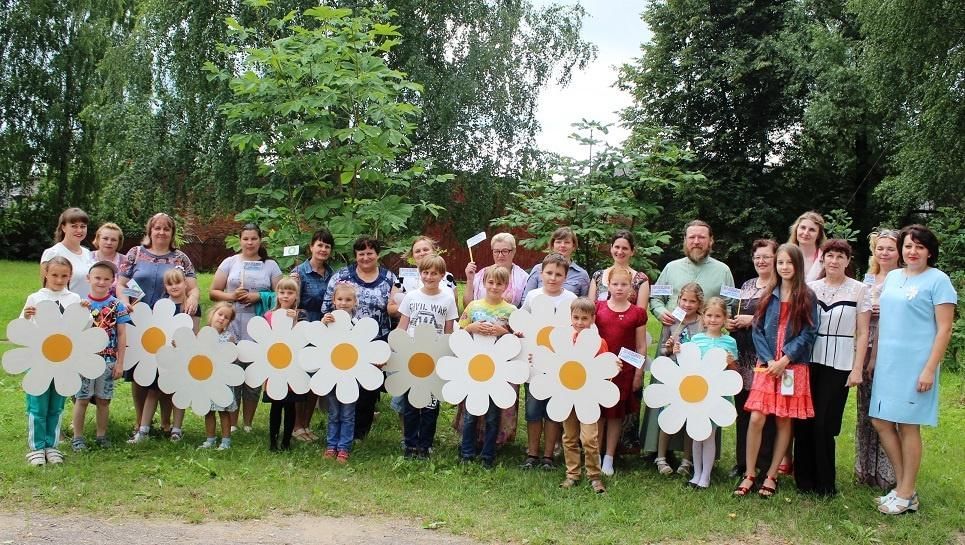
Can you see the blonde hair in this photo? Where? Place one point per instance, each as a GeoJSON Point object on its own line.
{"type": "Point", "coordinates": [423, 238]}
{"type": "Point", "coordinates": [506, 238]}
{"type": "Point", "coordinates": [697, 291]}
{"type": "Point", "coordinates": [286, 283]}
{"type": "Point", "coordinates": [222, 305]}
{"type": "Point", "coordinates": [174, 276]}
{"type": "Point", "coordinates": [433, 262]}
{"type": "Point", "coordinates": [812, 216]}
{"type": "Point", "coordinates": [109, 227]}
{"type": "Point", "coordinates": [146, 241]}
{"type": "Point", "coordinates": [618, 272]}
{"type": "Point", "coordinates": [496, 273]}
{"type": "Point", "coordinates": [873, 266]}
{"type": "Point", "coordinates": [583, 304]}
{"type": "Point", "coordinates": [345, 286]}
{"type": "Point", "coordinates": [56, 260]}
{"type": "Point", "coordinates": [719, 303]}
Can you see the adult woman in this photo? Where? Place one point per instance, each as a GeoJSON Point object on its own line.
{"type": "Point", "coordinates": [107, 241]}
{"type": "Point", "coordinates": [313, 276]}
{"type": "Point", "coordinates": [71, 231]}
{"type": "Point", "coordinates": [563, 241]}
{"type": "Point", "coordinates": [146, 265]}
{"type": "Point", "coordinates": [422, 247]}
{"type": "Point", "coordinates": [622, 247]}
{"type": "Point", "coordinates": [785, 326]}
{"type": "Point", "coordinates": [807, 233]}
{"type": "Point", "coordinates": [375, 290]}
{"type": "Point", "coordinates": [871, 465]}
{"type": "Point", "coordinates": [917, 310]}
{"type": "Point", "coordinates": [240, 280]}
{"type": "Point", "coordinates": [837, 360]}
{"type": "Point", "coordinates": [763, 252]}
{"type": "Point", "coordinates": [504, 250]}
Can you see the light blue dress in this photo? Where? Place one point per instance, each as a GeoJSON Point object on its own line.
{"type": "Point", "coordinates": [906, 333]}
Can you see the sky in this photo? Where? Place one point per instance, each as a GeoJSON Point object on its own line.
{"type": "Point", "coordinates": [617, 30]}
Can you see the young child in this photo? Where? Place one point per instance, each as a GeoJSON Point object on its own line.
{"type": "Point", "coordinates": [691, 300]}
{"type": "Point", "coordinates": [220, 317]}
{"type": "Point", "coordinates": [286, 297]}
{"type": "Point", "coordinates": [341, 416]}
{"type": "Point", "coordinates": [714, 317]}
{"type": "Point", "coordinates": [583, 312]}
{"type": "Point", "coordinates": [176, 286]}
{"type": "Point", "coordinates": [622, 325]}
{"type": "Point", "coordinates": [111, 315]}
{"type": "Point", "coordinates": [553, 274]}
{"type": "Point", "coordinates": [435, 307]}
{"type": "Point", "coordinates": [488, 316]}
{"type": "Point", "coordinates": [44, 411]}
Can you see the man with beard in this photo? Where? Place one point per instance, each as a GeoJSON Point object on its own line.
{"type": "Point", "coordinates": [697, 267]}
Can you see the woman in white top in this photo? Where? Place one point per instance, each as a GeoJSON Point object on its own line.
{"type": "Point", "coordinates": [71, 232]}
{"type": "Point", "coordinates": [807, 233]}
{"type": "Point", "coordinates": [837, 360]}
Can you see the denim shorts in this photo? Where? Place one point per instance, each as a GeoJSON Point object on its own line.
{"type": "Point", "coordinates": [101, 387]}
{"type": "Point", "coordinates": [535, 408]}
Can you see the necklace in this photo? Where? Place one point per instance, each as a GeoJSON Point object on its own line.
{"type": "Point", "coordinates": [833, 290]}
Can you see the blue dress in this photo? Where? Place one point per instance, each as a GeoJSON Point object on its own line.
{"type": "Point", "coordinates": [906, 334]}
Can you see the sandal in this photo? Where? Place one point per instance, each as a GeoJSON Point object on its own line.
{"type": "Point", "coordinates": [176, 435]}
{"type": "Point", "coordinates": [532, 462]}
{"type": "Point", "coordinates": [766, 491]}
{"type": "Point", "coordinates": [342, 457]}
{"type": "Point", "coordinates": [330, 453]}
{"type": "Point", "coordinates": [54, 456]}
{"type": "Point", "coordinates": [743, 490]}
{"type": "Point", "coordinates": [547, 464]}
{"type": "Point", "coordinates": [663, 467]}
{"type": "Point", "coordinates": [301, 434]}
{"type": "Point", "coordinates": [785, 469]}
{"type": "Point", "coordinates": [36, 457]}
{"type": "Point", "coordinates": [686, 469]}
{"type": "Point", "coordinates": [597, 486]}
{"type": "Point", "coordinates": [900, 506]}
{"type": "Point", "coordinates": [568, 483]}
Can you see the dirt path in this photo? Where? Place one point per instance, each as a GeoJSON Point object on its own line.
{"type": "Point", "coordinates": [43, 528]}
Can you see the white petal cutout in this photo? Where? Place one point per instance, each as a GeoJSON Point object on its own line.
{"type": "Point", "coordinates": [37, 381]}
{"type": "Point", "coordinates": [722, 412]}
{"type": "Point", "coordinates": [672, 418]}
{"type": "Point", "coordinates": [698, 427]}
{"type": "Point", "coordinates": [347, 391]}
{"type": "Point", "coordinates": [20, 331]}
{"type": "Point", "coordinates": [454, 392]}
{"type": "Point", "coordinates": [665, 370]}
{"type": "Point", "coordinates": [477, 403]}
{"type": "Point", "coordinates": [18, 360]}
{"type": "Point", "coordinates": [658, 395]}
{"type": "Point", "coordinates": [587, 411]}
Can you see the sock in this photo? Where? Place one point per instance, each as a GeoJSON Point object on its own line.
{"type": "Point", "coordinates": [698, 450]}
{"type": "Point", "coordinates": [607, 464]}
{"type": "Point", "coordinates": [225, 442]}
{"type": "Point", "coordinates": [710, 451]}
{"type": "Point", "coordinates": [175, 430]}
{"type": "Point", "coordinates": [144, 430]}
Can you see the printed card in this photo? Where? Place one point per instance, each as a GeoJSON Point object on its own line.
{"type": "Point", "coordinates": [409, 272]}
{"type": "Point", "coordinates": [476, 239]}
{"type": "Point", "coordinates": [679, 314]}
{"type": "Point", "coordinates": [290, 251]}
{"type": "Point", "coordinates": [730, 291]}
{"type": "Point", "coordinates": [661, 290]}
{"type": "Point", "coordinates": [787, 383]}
{"type": "Point", "coordinates": [631, 357]}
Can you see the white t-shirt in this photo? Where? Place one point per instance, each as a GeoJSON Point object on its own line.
{"type": "Point", "coordinates": [63, 298]}
{"type": "Point", "coordinates": [80, 263]}
{"type": "Point", "coordinates": [434, 310]}
{"type": "Point", "coordinates": [565, 295]}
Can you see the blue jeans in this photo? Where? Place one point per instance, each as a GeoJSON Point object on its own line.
{"type": "Point", "coordinates": [341, 423]}
{"type": "Point", "coordinates": [419, 425]}
{"type": "Point", "coordinates": [468, 448]}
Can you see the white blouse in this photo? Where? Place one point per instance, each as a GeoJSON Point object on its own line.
{"type": "Point", "coordinates": [839, 307]}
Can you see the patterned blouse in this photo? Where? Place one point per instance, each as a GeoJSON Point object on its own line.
{"type": "Point", "coordinates": [602, 292]}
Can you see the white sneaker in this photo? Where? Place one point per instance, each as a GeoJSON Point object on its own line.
{"type": "Point", "coordinates": [208, 443]}
{"type": "Point", "coordinates": [138, 438]}
{"type": "Point", "coordinates": [54, 456]}
{"type": "Point", "coordinates": [36, 457]}
{"type": "Point", "coordinates": [247, 429]}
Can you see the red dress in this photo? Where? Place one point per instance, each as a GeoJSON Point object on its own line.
{"type": "Point", "coordinates": [765, 395]}
{"type": "Point", "coordinates": [619, 330]}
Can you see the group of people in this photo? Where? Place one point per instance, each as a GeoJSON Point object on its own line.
{"type": "Point", "coordinates": [800, 333]}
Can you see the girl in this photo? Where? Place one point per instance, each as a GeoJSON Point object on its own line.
{"type": "Point", "coordinates": [220, 317]}
{"type": "Point", "coordinates": [341, 416]}
{"type": "Point", "coordinates": [286, 296]}
{"type": "Point", "coordinates": [691, 300]}
{"type": "Point", "coordinates": [176, 288]}
{"type": "Point", "coordinates": [622, 325]}
{"type": "Point", "coordinates": [44, 411]}
{"type": "Point", "coordinates": [714, 317]}
{"type": "Point", "coordinates": [785, 327]}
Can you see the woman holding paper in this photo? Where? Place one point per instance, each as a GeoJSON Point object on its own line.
{"type": "Point", "coordinates": [144, 266]}
{"type": "Point", "coordinates": [763, 252]}
{"type": "Point", "coordinates": [504, 250]}
{"type": "Point", "coordinates": [241, 280]}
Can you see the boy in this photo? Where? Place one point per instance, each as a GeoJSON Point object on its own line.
{"type": "Point", "coordinates": [488, 316]}
{"type": "Point", "coordinates": [111, 315]}
{"type": "Point", "coordinates": [575, 433]}
{"type": "Point", "coordinates": [427, 305]}
{"type": "Point", "coordinates": [553, 274]}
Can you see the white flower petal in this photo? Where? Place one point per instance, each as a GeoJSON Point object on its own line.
{"type": "Point", "coordinates": [347, 390]}
{"type": "Point", "coordinates": [559, 408]}
{"type": "Point", "coordinates": [477, 403]}
{"type": "Point", "coordinates": [322, 383]}
{"type": "Point", "coordinates": [369, 376]}
{"type": "Point", "coordinates": [589, 413]}
{"type": "Point", "coordinates": [67, 383]}
{"type": "Point", "coordinates": [18, 360]}
{"type": "Point", "coordinates": [665, 370]}
{"type": "Point", "coordinates": [21, 331]}
{"type": "Point", "coordinates": [37, 381]}
{"type": "Point", "coordinates": [454, 392]}
{"type": "Point", "coordinates": [672, 418]}
{"type": "Point", "coordinates": [721, 411]}
{"type": "Point", "coordinates": [698, 427]}
{"type": "Point", "coordinates": [503, 395]}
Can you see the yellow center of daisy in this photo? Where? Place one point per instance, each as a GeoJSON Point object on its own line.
{"type": "Point", "coordinates": [153, 339]}
{"type": "Point", "coordinates": [421, 365]}
{"type": "Point", "coordinates": [200, 367]}
{"type": "Point", "coordinates": [279, 355]}
{"type": "Point", "coordinates": [481, 368]}
{"type": "Point", "coordinates": [693, 388]}
{"type": "Point", "coordinates": [543, 337]}
{"type": "Point", "coordinates": [572, 375]}
{"type": "Point", "coordinates": [57, 348]}
{"type": "Point", "coordinates": [345, 356]}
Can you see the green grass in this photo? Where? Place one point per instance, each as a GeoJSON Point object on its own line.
{"type": "Point", "coordinates": [506, 504]}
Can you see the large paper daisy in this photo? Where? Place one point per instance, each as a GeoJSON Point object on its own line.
{"type": "Point", "coordinates": [272, 352]}
{"type": "Point", "coordinates": [693, 391]}
{"type": "Point", "coordinates": [345, 356]}
{"type": "Point", "coordinates": [535, 326]}
{"type": "Point", "coordinates": [482, 369]}
{"type": "Point", "coordinates": [574, 376]}
{"type": "Point", "coordinates": [199, 371]}
{"type": "Point", "coordinates": [55, 347]}
{"type": "Point", "coordinates": [152, 329]}
{"type": "Point", "coordinates": [412, 366]}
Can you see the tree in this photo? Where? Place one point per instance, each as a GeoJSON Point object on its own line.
{"type": "Point", "coordinates": [314, 97]}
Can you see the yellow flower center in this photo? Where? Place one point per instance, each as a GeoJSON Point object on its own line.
{"type": "Point", "coordinates": [200, 367]}
{"type": "Point", "coordinates": [481, 368]}
{"type": "Point", "coordinates": [57, 348]}
{"type": "Point", "coordinates": [344, 356]}
{"type": "Point", "coordinates": [572, 375]}
{"type": "Point", "coordinates": [693, 388]}
{"type": "Point", "coordinates": [153, 339]}
{"type": "Point", "coordinates": [421, 365]}
{"type": "Point", "coordinates": [279, 355]}
{"type": "Point", "coordinates": [543, 337]}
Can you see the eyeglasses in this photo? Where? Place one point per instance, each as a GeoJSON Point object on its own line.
{"type": "Point", "coordinates": [885, 233]}
{"type": "Point", "coordinates": [762, 258]}
{"type": "Point", "coordinates": [502, 252]}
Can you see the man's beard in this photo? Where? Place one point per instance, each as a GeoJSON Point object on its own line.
{"type": "Point", "coordinates": [697, 254]}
